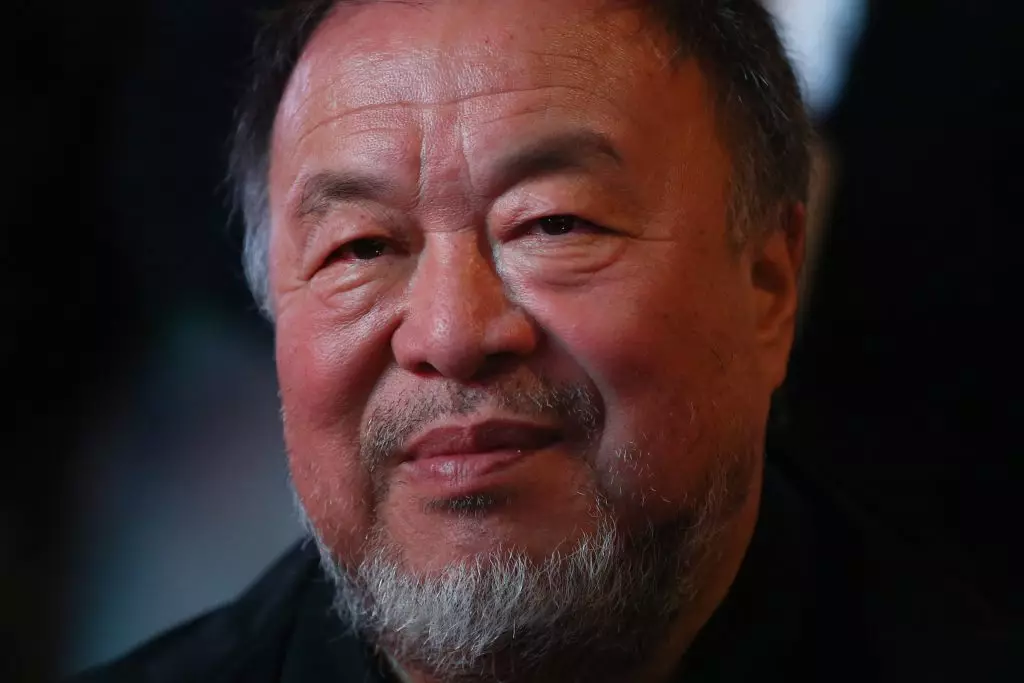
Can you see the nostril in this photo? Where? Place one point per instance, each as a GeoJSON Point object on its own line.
{"type": "Point", "coordinates": [497, 364]}
{"type": "Point", "coordinates": [425, 369]}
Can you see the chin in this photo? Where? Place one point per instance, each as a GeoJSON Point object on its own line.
{"type": "Point", "coordinates": [534, 509]}
{"type": "Point", "coordinates": [477, 597]}
{"type": "Point", "coordinates": [435, 534]}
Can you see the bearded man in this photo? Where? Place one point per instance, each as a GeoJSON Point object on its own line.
{"type": "Point", "coordinates": [533, 267]}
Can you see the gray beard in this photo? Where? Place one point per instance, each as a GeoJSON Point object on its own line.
{"type": "Point", "coordinates": [591, 612]}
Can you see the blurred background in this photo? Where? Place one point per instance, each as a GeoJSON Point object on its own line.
{"type": "Point", "coordinates": [145, 480]}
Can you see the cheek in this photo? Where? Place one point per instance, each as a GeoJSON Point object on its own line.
{"type": "Point", "coordinates": [673, 372]}
{"type": "Point", "coordinates": [322, 368]}
{"type": "Point", "coordinates": [326, 370]}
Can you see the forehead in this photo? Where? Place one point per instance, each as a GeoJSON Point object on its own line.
{"type": "Point", "coordinates": [381, 82]}
{"type": "Point", "coordinates": [367, 56]}
{"type": "Point", "coordinates": [468, 45]}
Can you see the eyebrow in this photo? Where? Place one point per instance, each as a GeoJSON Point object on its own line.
{"type": "Point", "coordinates": [324, 189]}
{"type": "Point", "coordinates": [577, 150]}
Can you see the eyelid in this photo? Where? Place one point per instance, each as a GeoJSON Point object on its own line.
{"type": "Point", "coordinates": [323, 249]}
{"type": "Point", "coordinates": [390, 248]}
{"type": "Point", "coordinates": [350, 222]}
{"type": "Point", "coordinates": [587, 223]}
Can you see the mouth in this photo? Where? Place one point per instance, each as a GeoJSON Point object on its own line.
{"type": "Point", "coordinates": [457, 460]}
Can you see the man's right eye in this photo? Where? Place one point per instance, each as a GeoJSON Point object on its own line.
{"type": "Point", "coordinates": [363, 249]}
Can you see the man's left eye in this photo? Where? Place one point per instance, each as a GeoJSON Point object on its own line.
{"type": "Point", "coordinates": [563, 225]}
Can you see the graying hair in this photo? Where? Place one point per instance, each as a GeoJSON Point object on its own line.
{"type": "Point", "coordinates": [761, 113]}
{"type": "Point", "coordinates": [589, 612]}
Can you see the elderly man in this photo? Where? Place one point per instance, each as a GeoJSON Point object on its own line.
{"type": "Point", "coordinates": [532, 267]}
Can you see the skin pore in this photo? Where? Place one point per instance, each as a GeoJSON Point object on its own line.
{"type": "Point", "coordinates": [515, 212]}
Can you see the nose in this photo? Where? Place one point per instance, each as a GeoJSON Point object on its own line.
{"type": "Point", "coordinates": [459, 321]}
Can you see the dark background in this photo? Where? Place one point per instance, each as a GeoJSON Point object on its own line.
{"type": "Point", "coordinates": [141, 451]}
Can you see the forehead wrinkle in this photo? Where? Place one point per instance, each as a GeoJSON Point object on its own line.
{"type": "Point", "coordinates": [354, 72]}
{"type": "Point", "coordinates": [470, 67]}
{"type": "Point", "coordinates": [383, 143]}
{"type": "Point", "coordinates": [445, 181]}
{"type": "Point", "coordinates": [458, 101]}
{"type": "Point", "coordinates": [575, 58]}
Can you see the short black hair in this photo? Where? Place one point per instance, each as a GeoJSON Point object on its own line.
{"type": "Point", "coordinates": [761, 113]}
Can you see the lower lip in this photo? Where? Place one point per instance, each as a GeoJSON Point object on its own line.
{"type": "Point", "coordinates": [462, 473]}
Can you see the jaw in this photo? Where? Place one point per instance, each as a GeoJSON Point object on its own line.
{"type": "Point", "coordinates": [469, 608]}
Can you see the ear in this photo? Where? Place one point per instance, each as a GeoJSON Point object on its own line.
{"type": "Point", "coordinates": [776, 260]}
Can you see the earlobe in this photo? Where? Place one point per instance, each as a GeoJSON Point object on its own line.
{"type": "Point", "coordinates": [776, 263]}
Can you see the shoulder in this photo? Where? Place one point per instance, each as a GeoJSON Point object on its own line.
{"type": "Point", "coordinates": [247, 634]}
{"type": "Point", "coordinates": [891, 601]}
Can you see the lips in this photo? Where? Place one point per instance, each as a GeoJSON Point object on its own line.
{"type": "Point", "coordinates": [480, 438]}
{"type": "Point", "coordinates": [453, 461]}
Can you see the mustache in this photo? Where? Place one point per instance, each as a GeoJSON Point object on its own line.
{"type": "Point", "coordinates": [575, 408]}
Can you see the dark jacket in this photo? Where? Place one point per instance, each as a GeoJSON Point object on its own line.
{"type": "Point", "coordinates": [819, 597]}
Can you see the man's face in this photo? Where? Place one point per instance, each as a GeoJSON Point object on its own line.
{"type": "Point", "coordinates": [504, 293]}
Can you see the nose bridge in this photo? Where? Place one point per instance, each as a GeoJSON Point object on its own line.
{"type": "Point", "coordinates": [456, 279]}
{"type": "Point", "coordinates": [457, 312]}
{"type": "Point", "coordinates": [457, 283]}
